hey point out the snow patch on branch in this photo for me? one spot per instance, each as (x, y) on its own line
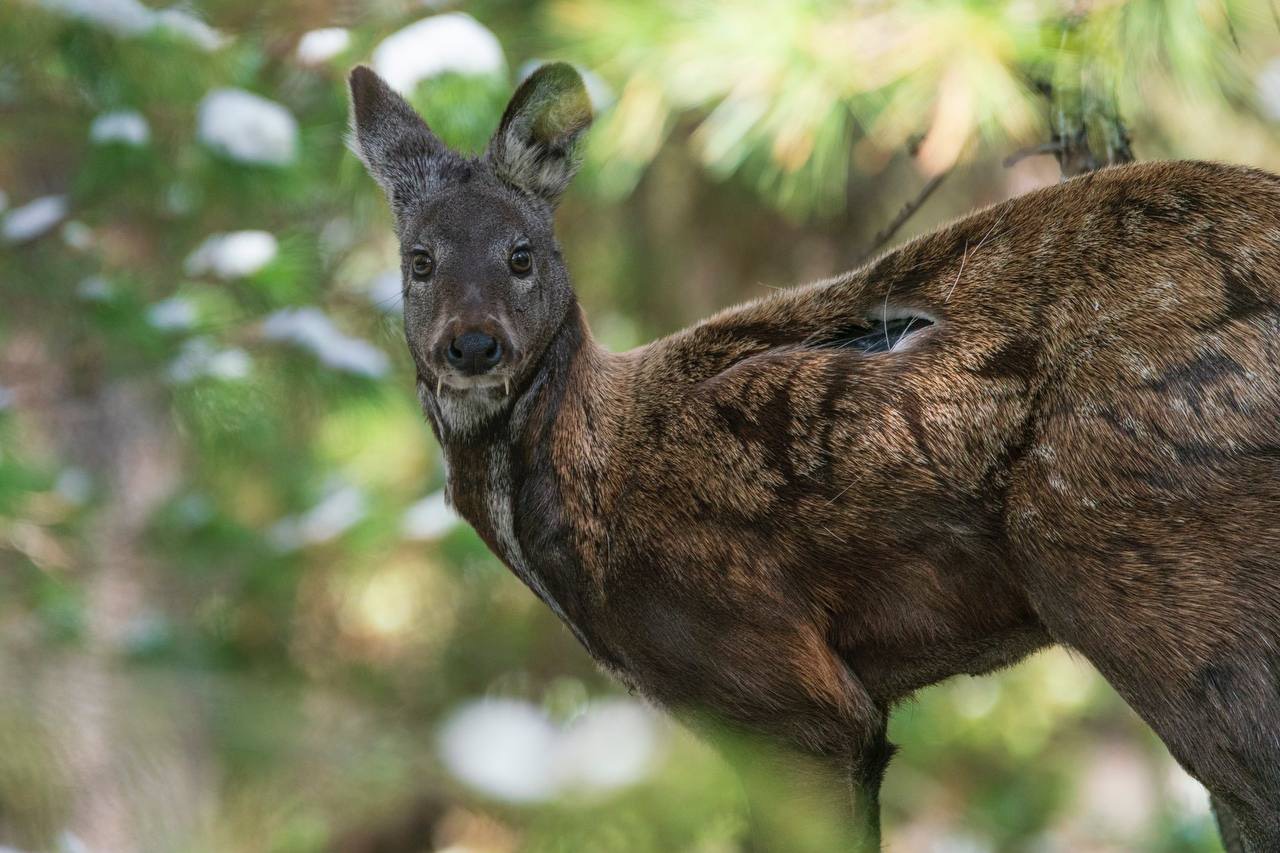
(319, 46)
(34, 219)
(95, 288)
(128, 127)
(311, 329)
(200, 358)
(1267, 84)
(386, 292)
(429, 518)
(341, 509)
(234, 255)
(510, 749)
(247, 128)
(132, 18)
(452, 42)
(173, 314)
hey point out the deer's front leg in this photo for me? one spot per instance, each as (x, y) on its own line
(866, 773)
(799, 800)
(800, 727)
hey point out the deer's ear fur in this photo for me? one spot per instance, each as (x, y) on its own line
(534, 146)
(397, 148)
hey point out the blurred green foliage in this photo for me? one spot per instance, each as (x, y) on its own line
(215, 633)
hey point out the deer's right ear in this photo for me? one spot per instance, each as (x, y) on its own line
(391, 139)
(535, 145)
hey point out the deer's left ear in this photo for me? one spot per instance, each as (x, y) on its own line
(398, 149)
(534, 146)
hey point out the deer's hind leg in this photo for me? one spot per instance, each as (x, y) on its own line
(1215, 704)
(1175, 598)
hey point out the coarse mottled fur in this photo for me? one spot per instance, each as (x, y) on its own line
(794, 514)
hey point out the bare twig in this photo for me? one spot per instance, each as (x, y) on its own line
(1075, 156)
(1035, 150)
(908, 210)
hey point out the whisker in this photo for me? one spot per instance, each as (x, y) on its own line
(905, 331)
(963, 258)
(841, 493)
(387, 301)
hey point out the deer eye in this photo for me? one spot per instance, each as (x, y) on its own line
(521, 260)
(421, 265)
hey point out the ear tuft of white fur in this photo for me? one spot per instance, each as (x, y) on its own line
(532, 167)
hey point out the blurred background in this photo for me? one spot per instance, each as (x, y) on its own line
(235, 613)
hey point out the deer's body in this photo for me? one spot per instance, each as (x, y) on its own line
(777, 519)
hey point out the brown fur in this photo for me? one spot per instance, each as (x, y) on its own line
(756, 520)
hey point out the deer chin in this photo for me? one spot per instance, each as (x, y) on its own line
(460, 406)
(487, 386)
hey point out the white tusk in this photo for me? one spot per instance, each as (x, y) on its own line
(439, 385)
(506, 388)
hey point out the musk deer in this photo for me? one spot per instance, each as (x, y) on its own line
(1054, 421)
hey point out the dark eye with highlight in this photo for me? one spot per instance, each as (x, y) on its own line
(421, 265)
(521, 260)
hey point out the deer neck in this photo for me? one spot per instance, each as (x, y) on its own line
(514, 476)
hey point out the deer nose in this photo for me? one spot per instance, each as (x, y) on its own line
(473, 353)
